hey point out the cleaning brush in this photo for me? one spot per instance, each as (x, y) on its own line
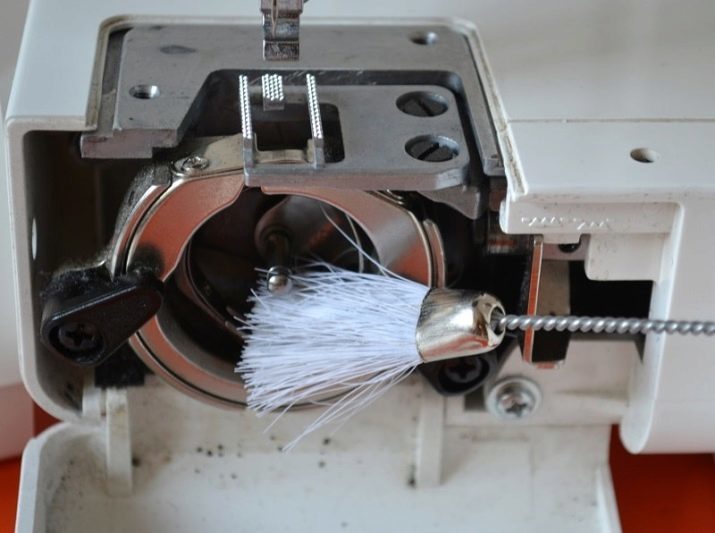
(343, 338)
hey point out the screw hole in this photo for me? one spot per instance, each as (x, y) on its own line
(144, 92)
(432, 148)
(424, 38)
(422, 104)
(644, 155)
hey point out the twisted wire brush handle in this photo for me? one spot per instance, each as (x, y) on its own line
(585, 324)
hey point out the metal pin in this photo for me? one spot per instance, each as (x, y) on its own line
(278, 248)
(246, 120)
(272, 92)
(316, 122)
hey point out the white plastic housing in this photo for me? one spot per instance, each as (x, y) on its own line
(573, 90)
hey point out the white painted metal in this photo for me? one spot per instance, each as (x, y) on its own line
(12, 15)
(612, 76)
(590, 388)
(16, 408)
(573, 88)
(9, 369)
(199, 468)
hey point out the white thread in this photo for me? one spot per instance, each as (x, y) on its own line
(339, 339)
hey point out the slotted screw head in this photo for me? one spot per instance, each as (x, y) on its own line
(193, 163)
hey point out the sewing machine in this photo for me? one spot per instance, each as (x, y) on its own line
(160, 152)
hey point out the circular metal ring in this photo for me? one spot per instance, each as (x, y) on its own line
(161, 225)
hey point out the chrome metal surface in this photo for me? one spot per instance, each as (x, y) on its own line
(587, 324)
(281, 29)
(244, 100)
(245, 103)
(147, 188)
(343, 55)
(308, 226)
(317, 143)
(272, 92)
(361, 68)
(278, 280)
(374, 155)
(398, 237)
(456, 323)
(174, 203)
(277, 248)
(513, 398)
(191, 199)
(316, 122)
(439, 259)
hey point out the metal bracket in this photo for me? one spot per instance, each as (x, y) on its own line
(159, 82)
(381, 147)
(281, 29)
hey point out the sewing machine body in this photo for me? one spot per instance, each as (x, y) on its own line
(578, 137)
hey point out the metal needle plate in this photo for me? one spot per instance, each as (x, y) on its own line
(154, 77)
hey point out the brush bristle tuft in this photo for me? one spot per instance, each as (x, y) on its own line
(338, 339)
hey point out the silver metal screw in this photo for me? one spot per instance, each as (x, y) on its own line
(513, 398)
(194, 163)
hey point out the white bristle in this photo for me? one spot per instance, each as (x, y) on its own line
(339, 339)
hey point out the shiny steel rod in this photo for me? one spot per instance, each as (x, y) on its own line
(316, 121)
(585, 324)
(245, 105)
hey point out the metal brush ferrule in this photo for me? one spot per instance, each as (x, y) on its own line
(456, 323)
